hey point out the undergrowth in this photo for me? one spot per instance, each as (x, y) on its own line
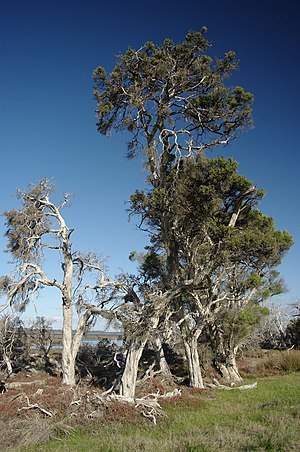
(279, 361)
(262, 419)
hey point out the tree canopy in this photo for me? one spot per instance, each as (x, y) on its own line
(173, 100)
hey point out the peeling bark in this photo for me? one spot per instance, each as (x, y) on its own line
(8, 364)
(195, 374)
(129, 377)
(68, 360)
(228, 369)
(160, 357)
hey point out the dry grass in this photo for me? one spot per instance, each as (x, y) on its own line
(264, 419)
(199, 420)
(278, 362)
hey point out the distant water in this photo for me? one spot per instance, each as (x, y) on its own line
(91, 341)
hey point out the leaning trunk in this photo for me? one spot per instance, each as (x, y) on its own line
(68, 359)
(129, 377)
(8, 364)
(160, 357)
(133, 356)
(191, 350)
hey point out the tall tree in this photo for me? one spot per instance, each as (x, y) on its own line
(173, 99)
(174, 102)
(226, 249)
(31, 230)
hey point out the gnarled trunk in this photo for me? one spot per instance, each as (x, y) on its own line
(227, 367)
(225, 363)
(191, 350)
(8, 364)
(134, 353)
(160, 357)
(129, 377)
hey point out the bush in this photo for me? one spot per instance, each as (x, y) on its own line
(280, 361)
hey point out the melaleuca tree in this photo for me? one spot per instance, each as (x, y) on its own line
(140, 312)
(14, 344)
(240, 313)
(173, 100)
(226, 249)
(34, 229)
(175, 103)
(232, 326)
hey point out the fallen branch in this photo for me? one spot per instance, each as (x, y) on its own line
(37, 406)
(18, 384)
(150, 415)
(218, 385)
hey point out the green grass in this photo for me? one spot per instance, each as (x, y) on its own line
(262, 419)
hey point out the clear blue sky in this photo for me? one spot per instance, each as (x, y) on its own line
(48, 52)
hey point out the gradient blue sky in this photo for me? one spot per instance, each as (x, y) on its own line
(48, 52)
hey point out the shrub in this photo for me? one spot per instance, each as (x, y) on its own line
(279, 361)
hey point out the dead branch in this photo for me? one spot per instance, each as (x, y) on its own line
(218, 385)
(37, 406)
(150, 415)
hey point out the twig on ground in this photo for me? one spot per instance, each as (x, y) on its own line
(37, 406)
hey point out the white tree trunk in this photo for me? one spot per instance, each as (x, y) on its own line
(229, 369)
(129, 377)
(68, 359)
(133, 356)
(191, 350)
(8, 364)
(160, 356)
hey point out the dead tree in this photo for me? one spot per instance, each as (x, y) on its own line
(37, 228)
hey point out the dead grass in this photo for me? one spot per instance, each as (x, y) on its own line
(198, 420)
(278, 362)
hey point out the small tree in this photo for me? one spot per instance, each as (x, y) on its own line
(39, 226)
(14, 351)
(7, 342)
(41, 335)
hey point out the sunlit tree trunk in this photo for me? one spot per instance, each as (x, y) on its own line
(192, 355)
(133, 356)
(8, 364)
(226, 365)
(160, 357)
(68, 360)
(129, 377)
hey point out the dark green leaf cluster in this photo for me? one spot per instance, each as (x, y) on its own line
(192, 219)
(26, 226)
(176, 87)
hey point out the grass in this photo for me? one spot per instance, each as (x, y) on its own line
(262, 419)
(279, 361)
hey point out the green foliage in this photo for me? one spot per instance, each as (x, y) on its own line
(26, 225)
(156, 87)
(198, 203)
